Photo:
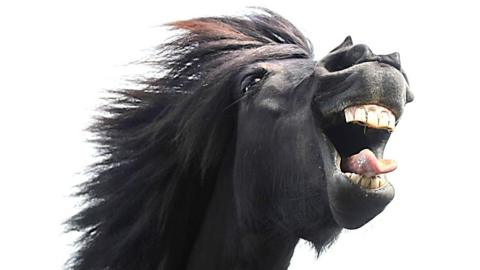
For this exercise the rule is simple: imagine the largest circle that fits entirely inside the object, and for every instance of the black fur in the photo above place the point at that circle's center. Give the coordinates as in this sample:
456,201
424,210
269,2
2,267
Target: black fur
220,160
163,145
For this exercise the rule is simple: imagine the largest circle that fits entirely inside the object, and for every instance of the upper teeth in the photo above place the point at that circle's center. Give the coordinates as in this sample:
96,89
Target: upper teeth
370,115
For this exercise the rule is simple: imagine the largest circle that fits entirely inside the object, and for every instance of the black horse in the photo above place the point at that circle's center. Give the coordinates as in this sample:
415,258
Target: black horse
239,147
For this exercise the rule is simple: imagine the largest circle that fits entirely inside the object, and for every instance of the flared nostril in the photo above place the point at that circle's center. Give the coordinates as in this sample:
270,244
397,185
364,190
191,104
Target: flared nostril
347,42
410,96
360,53
395,56
392,59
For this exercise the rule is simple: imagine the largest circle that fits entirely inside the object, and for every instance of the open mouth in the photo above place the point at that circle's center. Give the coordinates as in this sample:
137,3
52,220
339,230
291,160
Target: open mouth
359,134
360,98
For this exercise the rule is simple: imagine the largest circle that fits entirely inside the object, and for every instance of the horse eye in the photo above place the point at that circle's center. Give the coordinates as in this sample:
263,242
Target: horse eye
251,84
252,80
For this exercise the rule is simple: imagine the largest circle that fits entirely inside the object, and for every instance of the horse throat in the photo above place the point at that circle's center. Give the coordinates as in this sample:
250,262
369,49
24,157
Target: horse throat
221,243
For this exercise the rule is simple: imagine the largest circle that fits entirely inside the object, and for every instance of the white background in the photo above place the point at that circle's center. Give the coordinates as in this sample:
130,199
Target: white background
57,58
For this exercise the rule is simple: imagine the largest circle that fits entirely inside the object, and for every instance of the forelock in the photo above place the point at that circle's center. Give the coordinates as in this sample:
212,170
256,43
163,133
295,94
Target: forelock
207,44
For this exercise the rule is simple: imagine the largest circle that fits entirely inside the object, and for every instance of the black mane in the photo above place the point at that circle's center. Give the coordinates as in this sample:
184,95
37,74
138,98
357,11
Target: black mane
162,145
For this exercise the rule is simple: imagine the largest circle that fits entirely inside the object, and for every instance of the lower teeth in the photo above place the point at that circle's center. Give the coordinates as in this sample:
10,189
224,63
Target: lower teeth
366,182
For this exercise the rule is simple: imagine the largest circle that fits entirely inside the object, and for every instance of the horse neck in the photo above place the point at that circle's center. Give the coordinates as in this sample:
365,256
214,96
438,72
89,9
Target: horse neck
221,244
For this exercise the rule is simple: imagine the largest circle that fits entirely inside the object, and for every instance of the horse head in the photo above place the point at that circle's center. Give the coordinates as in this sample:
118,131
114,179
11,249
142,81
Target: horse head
239,147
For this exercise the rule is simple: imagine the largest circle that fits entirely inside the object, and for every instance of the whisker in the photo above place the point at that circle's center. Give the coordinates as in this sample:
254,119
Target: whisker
235,102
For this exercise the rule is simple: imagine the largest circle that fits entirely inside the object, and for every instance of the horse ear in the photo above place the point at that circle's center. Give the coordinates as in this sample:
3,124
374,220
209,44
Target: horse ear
346,43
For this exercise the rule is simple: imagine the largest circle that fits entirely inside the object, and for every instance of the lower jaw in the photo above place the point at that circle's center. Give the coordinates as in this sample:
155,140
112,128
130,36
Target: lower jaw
353,205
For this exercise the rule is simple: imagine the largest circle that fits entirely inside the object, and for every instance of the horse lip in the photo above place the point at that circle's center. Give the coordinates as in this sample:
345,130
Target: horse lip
385,62
353,206
340,82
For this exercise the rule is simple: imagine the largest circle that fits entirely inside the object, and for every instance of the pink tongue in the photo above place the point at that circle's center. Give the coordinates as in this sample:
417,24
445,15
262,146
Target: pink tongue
365,163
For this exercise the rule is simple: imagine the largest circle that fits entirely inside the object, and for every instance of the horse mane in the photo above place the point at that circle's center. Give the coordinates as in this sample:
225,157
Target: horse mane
161,145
